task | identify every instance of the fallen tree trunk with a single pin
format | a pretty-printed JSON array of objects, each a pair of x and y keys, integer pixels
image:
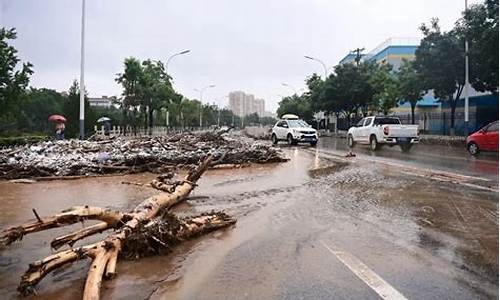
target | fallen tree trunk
[{"x": 147, "y": 230}]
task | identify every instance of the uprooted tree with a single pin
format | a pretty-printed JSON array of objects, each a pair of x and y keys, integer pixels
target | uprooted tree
[{"x": 148, "y": 230}]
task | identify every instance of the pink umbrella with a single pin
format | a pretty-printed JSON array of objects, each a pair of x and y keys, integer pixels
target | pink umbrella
[{"x": 57, "y": 118}]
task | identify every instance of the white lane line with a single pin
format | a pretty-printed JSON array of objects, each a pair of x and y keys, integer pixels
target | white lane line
[{"x": 372, "y": 279}]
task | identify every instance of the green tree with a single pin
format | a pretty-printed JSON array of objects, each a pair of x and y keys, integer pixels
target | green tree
[
  {"x": 146, "y": 88},
  {"x": 175, "y": 110},
  {"x": 268, "y": 120},
  {"x": 210, "y": 114},
  {"x": 227, "y": 118},
  {"x": 410, "y": 86},
  {"x": 439, "y": 60},
  {"x": 37, "y": 106},
  {"x": 130, "y": 80},
  {"x": 13, "y": 80},
  {"x": 252, "y": 118},
  {"x": 351, "y": 87},
  {"x": 296, "y": 105},
  {"x": 71, "y": 110},
  {"x": 479, "y": 25},
  {"x": 155, "y": 89},
  {"x": 385, "y": 86},
  {"x": 315, "y": 87}
]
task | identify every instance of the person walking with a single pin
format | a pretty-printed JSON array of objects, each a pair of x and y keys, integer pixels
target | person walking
[
  {"x": 107, "y": 128},
  {"x": 60, "y": 127}
]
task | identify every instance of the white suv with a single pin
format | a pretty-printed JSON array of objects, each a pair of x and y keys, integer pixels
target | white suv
[{"x": 294, "y": 131}]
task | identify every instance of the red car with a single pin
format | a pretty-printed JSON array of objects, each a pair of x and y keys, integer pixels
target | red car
[{"x": 485, "y": 139}]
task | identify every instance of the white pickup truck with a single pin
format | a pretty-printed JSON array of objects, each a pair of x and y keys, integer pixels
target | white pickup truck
[{"x": 377, "y": 131}]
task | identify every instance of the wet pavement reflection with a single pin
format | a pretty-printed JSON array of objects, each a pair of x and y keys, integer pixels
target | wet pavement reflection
[{"x": 439, "y": 157}]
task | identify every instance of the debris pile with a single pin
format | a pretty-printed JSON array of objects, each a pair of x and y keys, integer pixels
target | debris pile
[
  {"x": 125, "y": 155},
  {"x": 258, "y": 133},
  {"x": 150, "y": 229}
]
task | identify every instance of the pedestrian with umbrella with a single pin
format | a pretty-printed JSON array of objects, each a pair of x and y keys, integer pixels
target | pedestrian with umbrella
[
  {"x": 107, "y": 124},
  {"x": 60, "y": 127}
]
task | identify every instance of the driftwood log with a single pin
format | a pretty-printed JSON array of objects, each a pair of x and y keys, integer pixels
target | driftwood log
[{"x": 148, "y": 230}]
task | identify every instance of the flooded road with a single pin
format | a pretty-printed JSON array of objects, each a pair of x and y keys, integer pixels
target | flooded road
[
  {"x": 311, "y": 228},
  {"x": 437, "y": 157}
]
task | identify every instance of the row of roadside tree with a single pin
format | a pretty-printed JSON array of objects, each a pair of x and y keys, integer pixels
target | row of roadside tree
[
  {"x": 147, "y": 96},
  {"x": 368, "y": 87}
]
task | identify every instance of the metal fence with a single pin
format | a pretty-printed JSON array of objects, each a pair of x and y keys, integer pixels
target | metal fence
[{"x": 432, "y": 123}]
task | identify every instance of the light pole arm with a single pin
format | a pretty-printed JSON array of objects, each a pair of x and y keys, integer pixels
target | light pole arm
[
  {"x": 172, "y": 56},
  {"x": 321, "y": 62},
  {"x": 324, "y": 67},
  {"x": 289, "y": 86}
]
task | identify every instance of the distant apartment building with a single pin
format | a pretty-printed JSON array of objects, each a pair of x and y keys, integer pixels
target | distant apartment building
[
  {"x": 237, "y": 102},
  {"x": 259, "y": 107},
  {"x": 242, "y": 104},
  {"x": 103, "y": 101}
]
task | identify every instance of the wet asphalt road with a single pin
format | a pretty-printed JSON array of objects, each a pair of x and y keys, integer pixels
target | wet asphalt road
[
  {"x": 312, "y": 228},
  {"x": 310, "y": 239},
  {"x": 436, "y": 157}
]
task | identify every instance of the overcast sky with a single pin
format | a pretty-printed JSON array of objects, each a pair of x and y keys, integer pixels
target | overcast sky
[{"x": 252, "y": 45}]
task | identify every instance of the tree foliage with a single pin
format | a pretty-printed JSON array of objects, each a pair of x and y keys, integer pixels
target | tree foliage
[
  {"x": 479, "y": 25},
  {"x": 297, "y": 105},
  {"x": 410, "y": 86},
  {"x": 352, "y": 87},
  {"x": 384, "y": 83},
  {"x": 13, "y": 79},
  {"x": 38, "y": 105},
  {"x": 440, "y": 61},
  {"x": 71, "y": 110},
  {"x": 146, "y": 88}
]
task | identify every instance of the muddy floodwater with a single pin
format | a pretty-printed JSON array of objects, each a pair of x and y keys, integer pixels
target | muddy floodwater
[{"x": 296, "y": 223}]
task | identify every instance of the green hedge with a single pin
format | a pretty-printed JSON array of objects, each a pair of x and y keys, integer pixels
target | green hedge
[{"x": 22, "y": 140}]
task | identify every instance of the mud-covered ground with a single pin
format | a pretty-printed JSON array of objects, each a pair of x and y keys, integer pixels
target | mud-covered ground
[{"x": 305, "y": 227}]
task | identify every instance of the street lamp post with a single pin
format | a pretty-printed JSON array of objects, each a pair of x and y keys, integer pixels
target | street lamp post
[
  {"x": 82, "y": 84},
  {"x": 466, "y": 88},
  {"x": 219, "y": 108},
  {"x": 321, "y": 62},
  {"x": 172, "y": 56},
  {"x": 201, "y": 101},
  {"x": 166, "y": 71}
]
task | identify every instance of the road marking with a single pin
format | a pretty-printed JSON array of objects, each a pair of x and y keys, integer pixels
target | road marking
[{"x": 372, "y": 279}]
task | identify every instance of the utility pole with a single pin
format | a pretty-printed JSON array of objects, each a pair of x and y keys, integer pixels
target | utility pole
[
  {"x": 82, "y": 83},
  {"x": 357, "y": 51},
  {"x": 466, "y": 88}
]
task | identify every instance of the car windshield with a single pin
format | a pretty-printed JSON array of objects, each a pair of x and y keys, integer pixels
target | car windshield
[
  {"x": 297, "y": 123},
  {"x": 386, "y": 121}
]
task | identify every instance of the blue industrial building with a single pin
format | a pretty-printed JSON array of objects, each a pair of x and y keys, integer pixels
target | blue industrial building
[{"x": 431, "y": 115}]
